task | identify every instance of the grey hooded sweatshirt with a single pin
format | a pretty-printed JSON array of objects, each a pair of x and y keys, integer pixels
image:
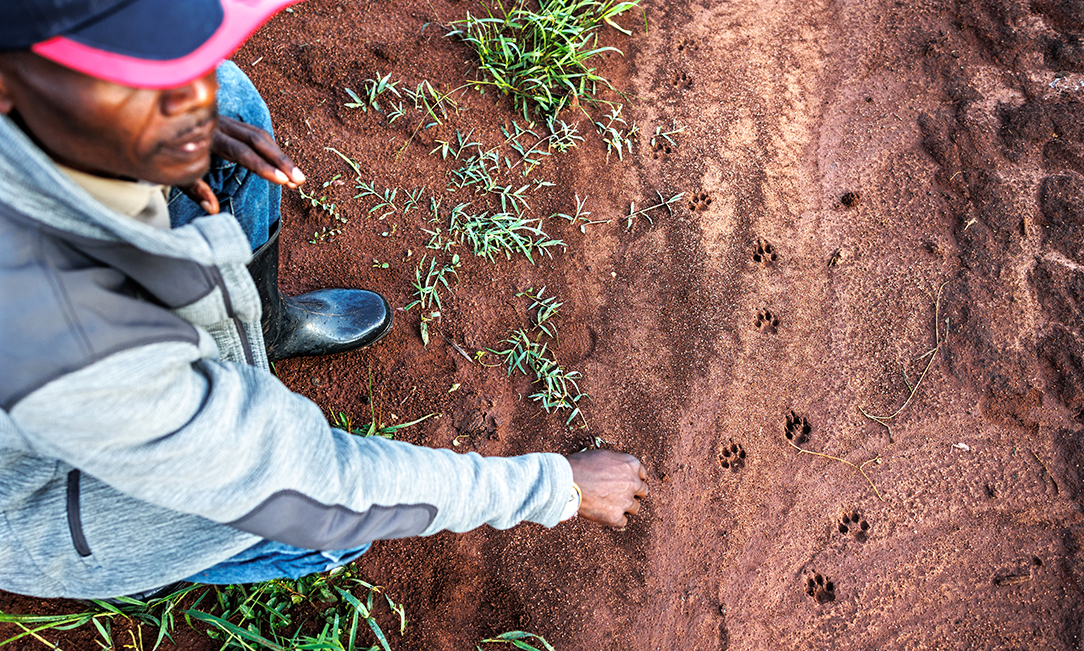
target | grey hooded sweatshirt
[{"x": 142, "y": 438}]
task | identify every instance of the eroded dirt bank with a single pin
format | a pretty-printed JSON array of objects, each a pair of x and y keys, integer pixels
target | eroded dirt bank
[{"x": 852, "y": 170}]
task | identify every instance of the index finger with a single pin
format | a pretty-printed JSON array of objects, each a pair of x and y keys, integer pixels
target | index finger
[{"x": 252, "y": 145}]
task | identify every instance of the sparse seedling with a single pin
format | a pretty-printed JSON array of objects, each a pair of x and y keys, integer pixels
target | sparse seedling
[
  {"x": 385, "y": 201},
  {"x": 429, "y": 100},
  {"x": 325, "y": 234},
  {"x": 478, "y": 170},
  {"x": 660, "y": 134},
  {"x": 516, "y": 639},
  {"x": 663, "y": 203},
  {"x": 489, "y": 235},
  {"x": 428, "y": 290},
  {"x": 413, "y": 199},
  {"x": 564, "y": 136},
  {"x": 376, "y": 427},
  {"x": 545, "y": 309},
  {"x": 530, "y": 155},
  {"x": 396, "y": 112},
  {"x": 582, "y": 215},
  {"x": 454, "y": 149},
  {"x": 617, "y": 138},
  {"x": 559, "y": 388},
  {"x": 321, "y": 202},
  {"x": 374, "y": 88},
  {"x": 512, "y": 199}
]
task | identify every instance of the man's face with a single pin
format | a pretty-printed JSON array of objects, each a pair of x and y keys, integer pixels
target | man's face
[{"x": 161, "y": 136}]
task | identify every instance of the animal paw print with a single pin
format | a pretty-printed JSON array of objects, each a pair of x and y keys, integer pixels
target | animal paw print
[
  {"x": 732, "y": 457},
  {"x": 766, "y": 322},
  {"x": 764, "y": 252},
  {"x": 682, "y": 81},
  {"x": 700, "y": 202},
  {"x": 820, "y": 588},
  {"x": 661, "y": 150},
  {"x": 854, "y": 524},
  {"x": 688, "y": 45},
  {"x": 797, "y": 429}
]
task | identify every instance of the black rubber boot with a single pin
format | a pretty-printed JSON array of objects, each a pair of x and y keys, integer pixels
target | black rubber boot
[{"x": 318, "y": 323}]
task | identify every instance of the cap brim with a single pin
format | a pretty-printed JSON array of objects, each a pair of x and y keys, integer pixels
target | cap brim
[{"x": 240, "y": 19}]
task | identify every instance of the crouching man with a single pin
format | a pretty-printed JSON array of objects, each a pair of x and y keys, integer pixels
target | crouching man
[{"x": 142, "y": 439}]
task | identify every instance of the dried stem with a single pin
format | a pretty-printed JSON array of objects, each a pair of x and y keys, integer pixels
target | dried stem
[
  {"x": 939, "y": 339},
  {"x": 859, "y": 467}
]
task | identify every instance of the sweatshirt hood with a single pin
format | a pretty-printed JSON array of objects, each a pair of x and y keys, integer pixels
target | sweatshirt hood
[{"x": 32, "y": 187}]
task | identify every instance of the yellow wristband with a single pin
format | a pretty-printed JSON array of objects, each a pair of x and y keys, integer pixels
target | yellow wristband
[{"x": 573, "y": 505}]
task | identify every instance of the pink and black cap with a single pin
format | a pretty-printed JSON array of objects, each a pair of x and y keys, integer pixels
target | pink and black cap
[{"x": 137, "y": 43}]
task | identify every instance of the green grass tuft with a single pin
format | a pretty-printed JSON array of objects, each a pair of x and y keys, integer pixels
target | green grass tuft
[{"x": 541, "y": 58}]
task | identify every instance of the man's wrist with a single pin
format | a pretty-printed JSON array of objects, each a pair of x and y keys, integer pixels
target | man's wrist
[{"x": 573, "y": 505}]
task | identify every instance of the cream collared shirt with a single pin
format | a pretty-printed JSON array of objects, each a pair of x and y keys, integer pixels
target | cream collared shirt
[{"x": 137, "y": 199}]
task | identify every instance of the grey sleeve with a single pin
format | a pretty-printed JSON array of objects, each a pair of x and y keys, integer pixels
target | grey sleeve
[{"x": 230, "y": 443}]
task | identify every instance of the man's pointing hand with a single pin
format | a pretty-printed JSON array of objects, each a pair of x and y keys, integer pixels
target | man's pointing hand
[
  {"x": 253, "y": 149},
  {"x": 611, "y": 483}
]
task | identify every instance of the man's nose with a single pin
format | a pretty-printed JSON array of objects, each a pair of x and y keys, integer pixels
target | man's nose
[{"x": 196, "y": 95}]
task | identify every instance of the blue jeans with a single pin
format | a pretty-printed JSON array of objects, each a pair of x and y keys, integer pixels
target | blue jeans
[
  {"x": 254, "y": 202},
  {"x": 268, "y": 560}
]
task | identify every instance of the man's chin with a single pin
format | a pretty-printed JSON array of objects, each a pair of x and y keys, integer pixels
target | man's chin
[{"x": 180, "y": 176}]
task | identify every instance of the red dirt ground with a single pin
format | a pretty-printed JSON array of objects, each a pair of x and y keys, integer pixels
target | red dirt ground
[{"x": 883, "y": 149}]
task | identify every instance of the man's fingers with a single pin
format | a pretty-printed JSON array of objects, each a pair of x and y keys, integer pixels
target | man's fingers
[
  {"x": 202, "y": 194},
  {"x": 256, "y": 150},
  {"x": 244, "y": 155}
]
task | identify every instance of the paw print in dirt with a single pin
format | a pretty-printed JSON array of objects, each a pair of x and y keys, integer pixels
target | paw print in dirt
[
  {"x": 732, "y": 457},
  {"x": 682, "y": 81},
  {"x": 797, "y": 428},
  {"x": 766, "y": 322},
  {"x": 763, "y": 252},
  {"x": 819, "y": 588},
  {"x": 854, "y": 524},
  {"x": 688, "y": 46},
  {"x": 700, "y": 202},
  {"x": 661, "y": 150}
]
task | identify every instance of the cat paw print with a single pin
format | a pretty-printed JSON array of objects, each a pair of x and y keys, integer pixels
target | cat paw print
[
  {"x": 763, "y": 252},
  {"x": 732, "y": 457},
  {"x": 682, "y": 81},
  {"x": 766, "y": 322},
  {"x": 661, "y": 150},
  {"x": 854, "y": 524},
  {"x": 819, "y": 588},
  {"x": 797, "y": 428},
  {"x": 700, "y": 202},
  {"x": 688, "y": 45}
]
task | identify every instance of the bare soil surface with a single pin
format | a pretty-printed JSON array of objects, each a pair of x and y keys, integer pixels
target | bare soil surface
[{"x": 877, "y": 194}]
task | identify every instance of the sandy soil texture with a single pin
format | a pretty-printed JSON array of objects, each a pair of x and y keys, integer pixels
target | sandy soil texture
[{"x": 877, "y": 195}]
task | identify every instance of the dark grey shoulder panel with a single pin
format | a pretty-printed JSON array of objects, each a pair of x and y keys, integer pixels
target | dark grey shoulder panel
[
  {"x": 61, "y": 310},
  {"x": 296, "y": 519},
  {"x": 174, "y": 282}
]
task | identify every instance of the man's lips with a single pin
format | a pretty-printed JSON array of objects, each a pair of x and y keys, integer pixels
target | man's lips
[{"x": 194, "y": 142}]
